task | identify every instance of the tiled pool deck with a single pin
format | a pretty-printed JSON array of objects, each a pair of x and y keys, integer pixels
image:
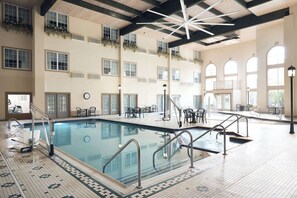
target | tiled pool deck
[{"x": 264, "y": 167}]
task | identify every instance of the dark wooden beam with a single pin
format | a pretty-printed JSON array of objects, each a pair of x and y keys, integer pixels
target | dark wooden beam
[
  {"x": 168, "y": 8},
  {"x": 240, "y": 23},
  {"x": 214, "y": 11},
  {"x": 152, "y": 2},
  {"x": 99, "y": 9},
  {"x": 46, "y": 6},
  {"x": 256, "y": 3},
  {"x": 120, "y": 6},
  {"x": 242, "y": 3}
]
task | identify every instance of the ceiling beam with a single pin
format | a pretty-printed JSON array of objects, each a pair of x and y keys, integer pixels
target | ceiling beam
[
  {"x": 214, "y": 11},
  {"x": 46, "y": 6},
  {"x": 168, "y": 8},
  {"x": 154, "y": 27},
  {"x": 120, "y": 6},
  {"x": 244, "y": 22},
  {"x": 99, "y": 9},
  {"x": 242, "y": 3},
  {"x": 256, "y": 3},
  {"x": 152, "y": 2}
]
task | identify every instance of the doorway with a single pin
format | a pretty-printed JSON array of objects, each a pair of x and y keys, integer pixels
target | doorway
[
  {"x": 110, "y": 104},
  {"x": 223, "y": 101},
  {"x": 57, "y": 105},
  {"x": 18, "y": 105}
]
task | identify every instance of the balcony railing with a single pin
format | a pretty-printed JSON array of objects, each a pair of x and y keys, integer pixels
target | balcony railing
[{"x": 227, "y": 84}]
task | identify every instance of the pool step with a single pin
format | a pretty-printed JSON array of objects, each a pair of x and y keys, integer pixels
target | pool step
[{"x": 240, "y": 140}]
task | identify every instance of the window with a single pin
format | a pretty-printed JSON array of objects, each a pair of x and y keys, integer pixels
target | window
[
  {"x": 276, "y": 55},
  {"x": 162, "y": 73},
  {"x": 130, "y": 38},
  {"x": 210, "y": 70},
  {"x": 175, "y": 74},
  {"x": 197, "y": 77},
  {"x": 130, "y": 159},
  {"x": 57, "y": 61},
  {"x": 175, "y": 51},
  {"x": 16, "y": 15},
  {"x": 19, "y": 103},
  {"x": 197, "y": 55},
  {"x": 162, "y": 46},
  {"x": 210, "y": 76},
  {"x": 17, "y": 59},
  {"x": 230, "y": 71},
  {"x": 56, "y": 20},
  {"x": 130, "y": 69},
  {"x": 110, "y": 33},
  {"x": 230, "y": 68},
  {"x": 197, "y": 101},
  {"x": 110, "y": 67},
  {"x": 275, "y": 76},
  {"x": 251, "y": 80}
]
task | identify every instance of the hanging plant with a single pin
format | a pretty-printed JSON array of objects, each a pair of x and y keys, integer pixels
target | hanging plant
[
  {"x": 60, "y": 31},
  {"x": 198, "y": 61},
  {"x": 176, "y": 56},
  {"x": 18, "y": 26},
  {"x": 163, "y": 53},
  {"x": 112, "y": 43},
  {"x": 130, "y": 46}
]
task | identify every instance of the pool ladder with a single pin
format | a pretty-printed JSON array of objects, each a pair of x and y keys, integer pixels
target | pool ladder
[
  {"x": 138, "y": 155},
  {"x": 223, "y": 129}
]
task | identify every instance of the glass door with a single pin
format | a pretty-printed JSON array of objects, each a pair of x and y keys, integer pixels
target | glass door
[
  {"x": 130, "y": 100},
  {"x": 57, "y": 105},
  {"x": 223, "y": 102},
  {"x": 110, "y": 104}
]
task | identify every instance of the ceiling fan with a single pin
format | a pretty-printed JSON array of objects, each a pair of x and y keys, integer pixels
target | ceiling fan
[{"x": 189, "y": 22}]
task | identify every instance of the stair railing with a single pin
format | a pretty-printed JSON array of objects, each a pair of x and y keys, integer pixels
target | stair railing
[
  {"x": 139, "y": 160},
  {"x": 238, "y": 117},
  {"x": 15, "y": 120},
  {"x": 45, "y": 119},
  {"x": 191, "y": 141}
]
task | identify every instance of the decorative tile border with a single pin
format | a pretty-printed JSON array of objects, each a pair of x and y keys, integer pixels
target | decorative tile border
[{"x": 103, "y": 191}]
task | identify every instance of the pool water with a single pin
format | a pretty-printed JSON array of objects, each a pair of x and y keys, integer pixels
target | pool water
[{"x": 94, "y": 142}]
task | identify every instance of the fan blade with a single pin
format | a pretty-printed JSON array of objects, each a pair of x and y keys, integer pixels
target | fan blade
[
  {"x": 156, "y": 23},
  {"x": 210, "y": 7},
  {"x": 198, "y": 28},
  {"x": 186, "y": 17},
  {"x": 173, "y": 31},
  {"x": 217, "y": 16},
  {"x": 202, "y": 23},
  {"x": 163, "y": 15}
]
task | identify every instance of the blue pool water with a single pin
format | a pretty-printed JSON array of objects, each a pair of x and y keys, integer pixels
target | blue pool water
[{"x": 94, "y": 142}]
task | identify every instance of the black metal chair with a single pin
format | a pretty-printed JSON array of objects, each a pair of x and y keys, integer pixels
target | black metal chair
[
  {"x": 187, "y": 114},
  {"x": 128, "y": 112},
  {"x": 154, "y": 108},
  {"x": 78, "y": 112},
  {"x": 201, "y": 115},
  {"x": 92, "y": 111},
  {"x": 139, "y": 111}
]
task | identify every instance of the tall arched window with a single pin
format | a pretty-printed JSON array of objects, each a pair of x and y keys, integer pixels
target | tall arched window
[
  {"x": 230, "y": 71},
  {"x": 210, "y": 76},
  {"x": 251, "y": 80},
  {"x": 275, "y": 76}
]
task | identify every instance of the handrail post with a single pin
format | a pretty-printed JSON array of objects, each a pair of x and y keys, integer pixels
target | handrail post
[
  {"x": 139, "y": 160},
  {"x": 247, "y": 127},
  {"x": 224, "y": 141},
  {"x": 33, "y": 127},
  {"x": 52, "y": 129}
]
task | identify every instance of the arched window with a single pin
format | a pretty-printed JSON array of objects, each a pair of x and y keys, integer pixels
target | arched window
[
  {"x": 276, "y": 55},
  {"x": 251, "y": 80},
  {"x": 230, "y": 70},
  {"x": 210, "y": 76},
  {"x": 275, "y": 76}
]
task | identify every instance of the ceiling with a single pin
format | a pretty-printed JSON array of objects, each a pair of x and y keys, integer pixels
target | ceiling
[{"x": 248, "y": 15}]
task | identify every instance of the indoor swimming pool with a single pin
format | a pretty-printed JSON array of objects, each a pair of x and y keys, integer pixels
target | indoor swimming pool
[{"x": 94, "y": 142}]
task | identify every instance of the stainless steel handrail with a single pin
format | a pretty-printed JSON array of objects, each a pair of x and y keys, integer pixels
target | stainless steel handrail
[
  {"x": 15, "y": 120},
  {"x": 191, "y": 140},
  {"x": 179, "y": 122},
  {"x": 238, "y": 117},
  {"x": 44, "y": 117},
  {"x": 209, "y": 131},
  {"x": 138, "y": 153}
]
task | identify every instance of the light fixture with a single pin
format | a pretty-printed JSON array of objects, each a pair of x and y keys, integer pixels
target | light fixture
[
  {"x": 188, "y": 22},
  {"x": 119, "y": 87},
  {"x": 291, "y": 71}
]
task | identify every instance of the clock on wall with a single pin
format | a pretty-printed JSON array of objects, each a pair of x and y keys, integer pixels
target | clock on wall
[{"x": 87, "y": 96}]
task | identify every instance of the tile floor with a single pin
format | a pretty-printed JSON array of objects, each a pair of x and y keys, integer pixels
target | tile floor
[{"x": 264, "y": 167}]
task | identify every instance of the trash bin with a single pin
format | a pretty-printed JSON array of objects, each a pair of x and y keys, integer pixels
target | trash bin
[{"x": 241, "y": 108}]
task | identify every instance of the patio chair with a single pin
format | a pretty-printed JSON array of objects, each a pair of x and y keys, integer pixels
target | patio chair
[
  {"x": 154, "y": 108},
  {"x": 128, "y": 112},
  {"x": 139, "y": 111},
  {"x": 78, "y": 112},
  {"x": 201, "y": 115},
  {"x": 92, "y": 111},
  {"x": 187, "y": 114}
]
